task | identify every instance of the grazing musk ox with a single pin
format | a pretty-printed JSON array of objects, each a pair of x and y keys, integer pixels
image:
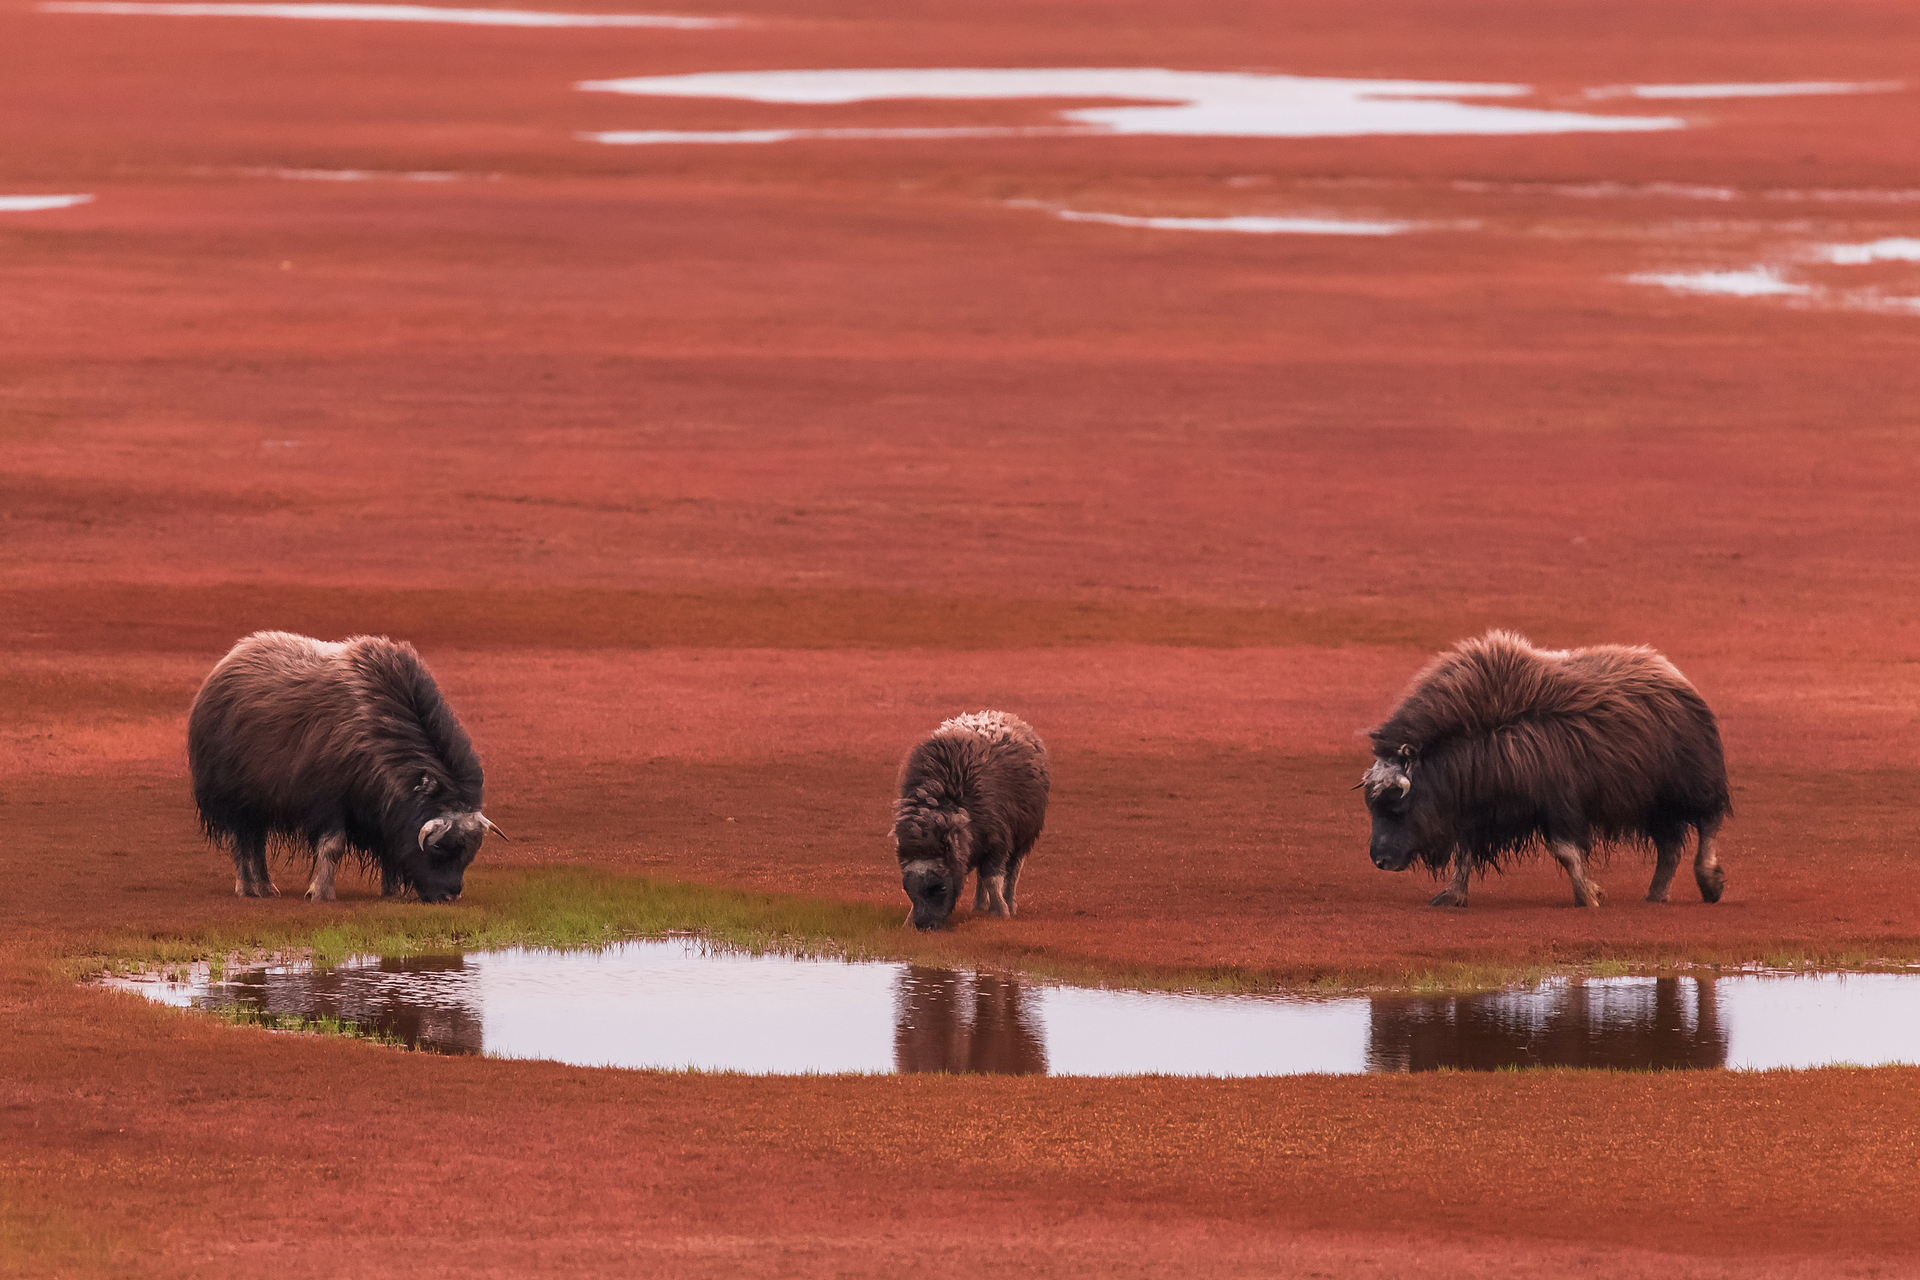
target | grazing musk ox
[
  {"x": 973, "y": 798},
  {"x": 1499, "y": 747},
  {"x": 335, "y": 748}
]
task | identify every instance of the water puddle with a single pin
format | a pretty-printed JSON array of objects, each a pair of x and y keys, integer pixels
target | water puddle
[
  {"x": 33, "y": 204},
  {"x": 326, "y": 12},
  {"x": 676, "y": 1004},
  {"x": 1246, "y": 224},
  {"x": 1748, "y": 282},
  {"x": 1217, "y": 104},
  {"x": 1777, "y": 281},
  {"x": 1773, "y": 89}
]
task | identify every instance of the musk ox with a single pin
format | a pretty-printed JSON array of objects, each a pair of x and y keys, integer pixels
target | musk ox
[
  {"x": 1499, "y": 748},
  {"x": 973, "y": 797},
  {"x": 335, "y": 749}
]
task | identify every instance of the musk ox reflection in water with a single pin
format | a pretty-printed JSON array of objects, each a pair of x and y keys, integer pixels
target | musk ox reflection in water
[
  {"x": 973, "y": 798},
  {"x": 336, "y": 749},
  {"x": 1499, "y": 748}
]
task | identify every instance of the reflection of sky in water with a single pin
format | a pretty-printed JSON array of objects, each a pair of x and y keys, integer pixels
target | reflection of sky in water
[
  {"x": 33, "y": 204},
  {"x": 1770, "y": 89},
  {"x": 666, "y": 1004},
  {"x": 1865, "y": 1018},
  {"x": 1246, "y": 224},
  {"x": 1126, "y": 1033},
  {"x": 325, "y": 12},
  {"x": 672, "y": 1004},
  {"x": 1220, "y": 104}
]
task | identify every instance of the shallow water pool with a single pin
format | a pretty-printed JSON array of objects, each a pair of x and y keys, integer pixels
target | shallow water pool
[{"x": 676, "y": 1003}]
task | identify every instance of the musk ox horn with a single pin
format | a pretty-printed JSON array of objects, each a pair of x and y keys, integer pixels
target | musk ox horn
[
  {"x": 487, "y": 822},
  {"x": 433, "y": 829},
  {"x": 1406, "y": 783}
]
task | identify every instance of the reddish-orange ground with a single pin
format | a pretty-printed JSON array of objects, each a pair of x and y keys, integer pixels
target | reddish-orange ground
[{"x": 708, "y": 477}]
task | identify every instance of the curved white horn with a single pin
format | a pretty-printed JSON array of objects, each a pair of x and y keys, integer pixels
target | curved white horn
[
  {"x": 487, "y": 822},
  {"x": 1406, "y": 783},
  {"x": 433, "y": 829}
]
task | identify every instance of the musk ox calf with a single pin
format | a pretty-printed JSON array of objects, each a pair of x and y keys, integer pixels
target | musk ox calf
[
  {"x": 973, "y": 798},
  {"x": 1499, "y": 748},
  {"x": 335, "y": 749}
]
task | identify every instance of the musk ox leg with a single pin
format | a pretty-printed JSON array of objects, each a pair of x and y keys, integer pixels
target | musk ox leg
[
  {"x": 1706, "y": 870},
  {"x": 1013, "y": 882},
  {"x": 326, "y": 856},
  {"x": 1585, "y": 892},
  {"x": 992, "y": 888},
  {"x": 1668, "y": 853},
  {"x": 250, "y": 876},
  {"x": 1455, "y": 894}
]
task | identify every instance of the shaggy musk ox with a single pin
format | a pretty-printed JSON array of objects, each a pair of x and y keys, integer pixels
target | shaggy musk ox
[
  {"x": 335, "y": 748},
  {"x": 1500, "y": 747},
  {"x": 973, "y": 797}
]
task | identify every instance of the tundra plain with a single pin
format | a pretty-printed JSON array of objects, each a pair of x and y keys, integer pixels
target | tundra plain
[{"x": 708, "y": 476}]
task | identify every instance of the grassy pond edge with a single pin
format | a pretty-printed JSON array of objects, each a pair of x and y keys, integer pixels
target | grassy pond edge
[{"x": 571, "y": 908}]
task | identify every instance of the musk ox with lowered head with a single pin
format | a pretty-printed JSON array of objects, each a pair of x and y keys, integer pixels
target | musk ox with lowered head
[
  {"x": 335, "y": 748},
  {"x": 1499, "y": 747},
  {"x": 973, "y": 798}
]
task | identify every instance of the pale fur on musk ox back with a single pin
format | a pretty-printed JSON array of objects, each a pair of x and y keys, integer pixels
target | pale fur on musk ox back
[
  {"x": 973, "y": 797},
  {"x": 335, "y": 749},
  {"x": 1499, "y": 748}
]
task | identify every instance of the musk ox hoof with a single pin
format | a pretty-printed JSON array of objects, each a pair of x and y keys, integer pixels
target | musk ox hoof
[
  {"x": 1448, "y": 898},
  {"x": 1712, "y": 885},
  {"x": 1591, "y": 899},
  {"x": 320, "y": 895},
  {"x": 1656, "y": 895}
]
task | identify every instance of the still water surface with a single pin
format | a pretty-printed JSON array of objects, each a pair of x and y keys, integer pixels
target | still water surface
[{"x": 675, "y": 1003}]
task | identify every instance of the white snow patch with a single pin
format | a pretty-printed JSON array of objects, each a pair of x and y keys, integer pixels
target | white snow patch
[
  {"x": 654, "y": 137},
  {"x": 1608, "y": 189},
  {"x": 1602, "y": 190},
  {"x": 1784, "y": 89},
  {"x": 355, "y": 175},
  {"x": 1824, "y": 196},
  {"x": 1172, "y": 103},
  {"x": 387, "y": 13},
  {"x": 33, "y": 204},
  {"x": 1767, "y": 282},
  {"x": 1894, "y": 249},
  {"x": 1247, "y": 224},
  {"x": 1750, "y": 282}
]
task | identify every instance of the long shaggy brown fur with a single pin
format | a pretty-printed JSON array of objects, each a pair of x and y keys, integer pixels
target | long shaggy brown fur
[
  {"x": 1505, "y": 746},
  {"x": 294, "y": 741},
  {"x": 973, "y": 798}
]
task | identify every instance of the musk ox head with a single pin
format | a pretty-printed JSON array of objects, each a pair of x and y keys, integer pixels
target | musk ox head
[
  {"x": 934, "y": 847},
  {"x": 1405, "y": 817},
  {"x": 437, "y": 866}
]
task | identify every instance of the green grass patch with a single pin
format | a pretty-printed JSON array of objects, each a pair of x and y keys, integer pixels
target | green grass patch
[
  {"x": 248, "y": 1015},
  {"x": 559, "y": 908}
]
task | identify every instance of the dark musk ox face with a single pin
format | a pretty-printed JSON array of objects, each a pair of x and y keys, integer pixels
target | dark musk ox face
[
  {"x": 437, "y": 866},
  {"x": 1405, "y": 823},
  {"x": 933, "y": 862},
  {"x": 933, "y": 887}
]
